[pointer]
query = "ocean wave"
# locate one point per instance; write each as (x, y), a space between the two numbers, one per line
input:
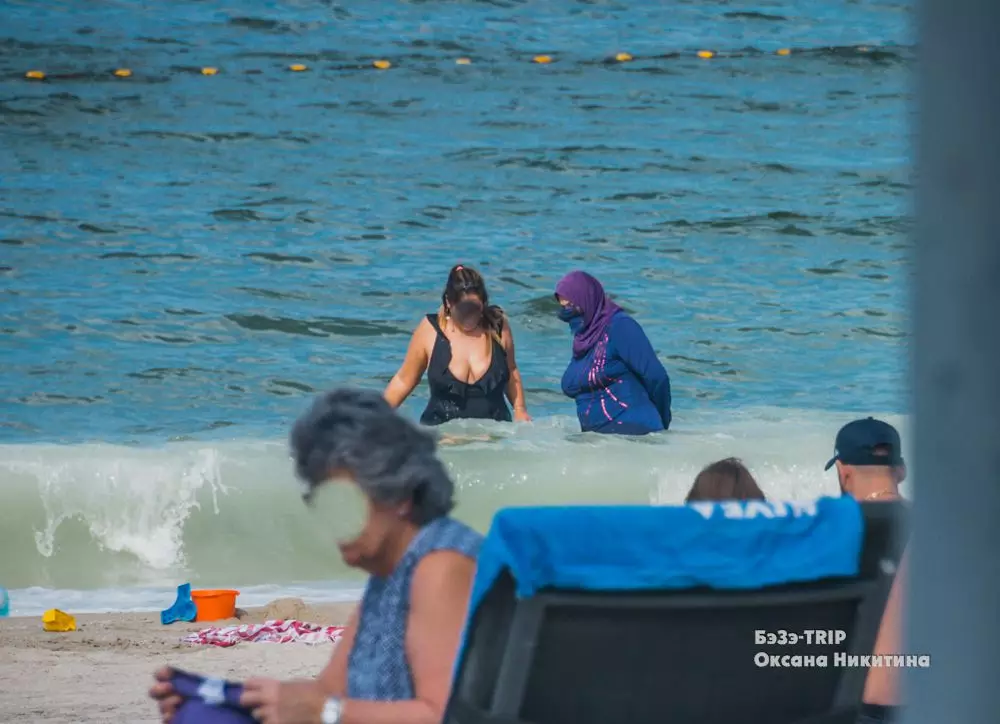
(229, 512)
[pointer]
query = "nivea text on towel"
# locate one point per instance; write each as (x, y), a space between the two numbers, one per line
(747, 509)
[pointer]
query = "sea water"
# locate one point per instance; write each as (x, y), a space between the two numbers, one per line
(186, 258)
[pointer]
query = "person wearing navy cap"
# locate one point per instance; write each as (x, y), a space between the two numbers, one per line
(870, 467)
(869, 460)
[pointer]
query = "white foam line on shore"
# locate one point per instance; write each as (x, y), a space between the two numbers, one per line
(35, 601)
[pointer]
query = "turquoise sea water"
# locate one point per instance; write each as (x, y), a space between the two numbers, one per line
(185, 259)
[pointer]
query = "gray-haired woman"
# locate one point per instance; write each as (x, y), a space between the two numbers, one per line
(394, 663)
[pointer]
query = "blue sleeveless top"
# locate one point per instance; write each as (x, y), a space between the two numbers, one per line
(377, 669)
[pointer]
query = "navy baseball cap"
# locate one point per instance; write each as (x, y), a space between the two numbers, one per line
(857, 442)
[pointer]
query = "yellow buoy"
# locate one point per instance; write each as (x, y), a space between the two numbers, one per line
(382, 64)
(209, 71)
(543, 59)
(623, 57)
(123, 73)
(298, 67)
(784, 51)
(463, 61)
(35, 75)
(706, 54)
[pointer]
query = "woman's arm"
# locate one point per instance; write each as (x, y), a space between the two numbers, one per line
(515, 387)
(439, 599)
(634, 348)
(413, 367)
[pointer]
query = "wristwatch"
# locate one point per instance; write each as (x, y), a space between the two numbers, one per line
(331, 711)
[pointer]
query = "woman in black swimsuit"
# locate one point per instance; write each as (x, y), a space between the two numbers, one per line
(467, 350)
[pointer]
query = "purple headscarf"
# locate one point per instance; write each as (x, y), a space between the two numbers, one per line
(586, 294)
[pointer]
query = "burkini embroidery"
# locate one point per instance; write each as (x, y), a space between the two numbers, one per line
(601, 384)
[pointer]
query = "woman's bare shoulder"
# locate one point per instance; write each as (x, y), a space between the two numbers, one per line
(443, 565)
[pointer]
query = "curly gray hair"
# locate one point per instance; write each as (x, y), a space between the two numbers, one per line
(391, 459)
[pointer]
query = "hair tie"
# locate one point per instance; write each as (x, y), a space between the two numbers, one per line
(459, 268)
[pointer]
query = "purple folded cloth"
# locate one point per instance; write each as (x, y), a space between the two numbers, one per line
(208, 701)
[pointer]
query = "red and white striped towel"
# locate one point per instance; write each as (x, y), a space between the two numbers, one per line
(272, 632)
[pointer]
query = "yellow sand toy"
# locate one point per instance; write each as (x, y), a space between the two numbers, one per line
(56, 620)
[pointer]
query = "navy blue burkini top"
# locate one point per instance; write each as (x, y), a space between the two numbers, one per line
(619, 385)
(453, 399)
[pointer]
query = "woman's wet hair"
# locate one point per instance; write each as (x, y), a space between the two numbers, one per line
(391, 459)
(462, 281)
(726, 479)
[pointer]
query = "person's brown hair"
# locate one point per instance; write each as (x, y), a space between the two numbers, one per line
(726, 479)
(463, 280)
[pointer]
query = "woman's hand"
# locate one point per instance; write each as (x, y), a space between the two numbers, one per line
(284, 702)
(521, 415)
(163, 693)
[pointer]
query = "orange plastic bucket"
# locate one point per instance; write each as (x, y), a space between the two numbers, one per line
(214, 605)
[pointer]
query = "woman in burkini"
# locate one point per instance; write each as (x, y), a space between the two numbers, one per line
(467, 350)
(386, 498)
(619, 385)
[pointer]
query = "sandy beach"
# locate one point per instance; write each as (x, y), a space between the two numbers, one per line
(101, 671)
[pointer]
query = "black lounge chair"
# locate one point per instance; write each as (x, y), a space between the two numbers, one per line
(674, 657)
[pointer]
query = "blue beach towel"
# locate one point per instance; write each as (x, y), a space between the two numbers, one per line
(724, 545)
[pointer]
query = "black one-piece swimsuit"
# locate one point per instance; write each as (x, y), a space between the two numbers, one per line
(453, 399)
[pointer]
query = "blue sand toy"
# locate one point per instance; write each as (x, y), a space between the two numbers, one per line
(183, 608)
